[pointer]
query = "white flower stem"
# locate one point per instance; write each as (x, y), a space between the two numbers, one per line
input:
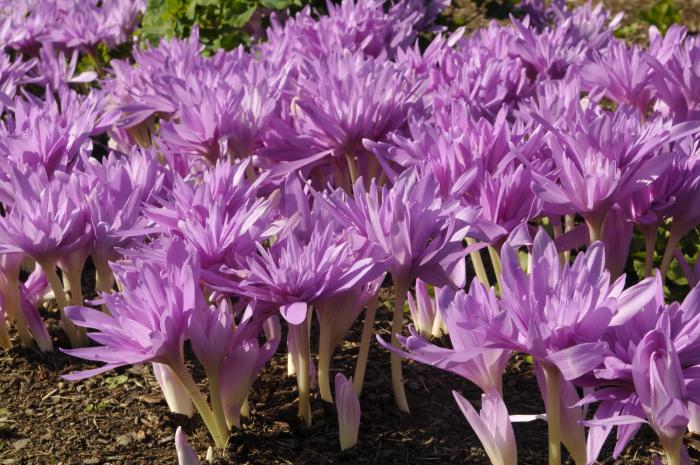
(365, 340)
(301, 363)
(104, 278)
(496, 263)
(595, 229)
(217, 406)
(200, 403)
(673, 449)
(325, 350)
(479, 268)
(352, 166)
(673, 241)
(397, 327)
(553, 413)
(14, 309)
(76, 294)
(62, 302)
(649, 246)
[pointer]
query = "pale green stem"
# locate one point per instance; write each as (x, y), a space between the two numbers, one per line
(365, 340)
(76, 293)
(673, 241)
(14, 309)
(104, 279)
(479, 268)
(301, 340)
(568, 226)
(397, 327)
(59, 294)
(558, 232)
(200, 403)
(553, 413)
(649, 246)
(352, 167)
(673, 450)
(496, 263)
(245, 408)
(217, 406)
(325, 350)
(595, 229)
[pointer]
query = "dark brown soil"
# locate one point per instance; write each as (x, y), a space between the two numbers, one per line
(120, 417)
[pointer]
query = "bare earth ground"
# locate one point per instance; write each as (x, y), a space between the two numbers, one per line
(120, 417)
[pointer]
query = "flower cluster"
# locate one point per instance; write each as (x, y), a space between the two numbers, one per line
(495, 181)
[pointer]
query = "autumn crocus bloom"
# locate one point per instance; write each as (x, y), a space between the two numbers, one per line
(49, 222)
(418, 234)
(348, 407)
(185, 453)
(147, 322)
(294, 274)
(492, 426)
(603, 159)
(116, 188)
(465, 315)
(557, 315)
(614, 381)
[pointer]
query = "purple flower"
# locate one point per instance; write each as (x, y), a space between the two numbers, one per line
(602, 160)
(348, 407)
(293, 274)
(219, 218)
(492, 426)
(185, 454)
(622, 73)
(465, 315)
(424, 312)
(418, 233)
(558, 315)
(54, 72)
(50, 134)
(48, 219)
(616, 381)
(147, 320)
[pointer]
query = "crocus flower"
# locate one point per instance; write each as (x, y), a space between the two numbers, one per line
(342, 99)
(615, 379)
(147, 322)
(49, 222)
(465, 315)
(231, 357)
(185, 454)
(54, 72)
(622, 73)
(418, 233)
(348, 407)
(424, 313)
(492, 426)
(292, 275)
(661, 389)
(596, 168)
(50, 134)
(558, 315)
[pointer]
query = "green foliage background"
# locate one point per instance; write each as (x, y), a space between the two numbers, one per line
(222, 23)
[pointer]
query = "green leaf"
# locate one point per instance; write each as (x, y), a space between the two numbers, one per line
(114, 381)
